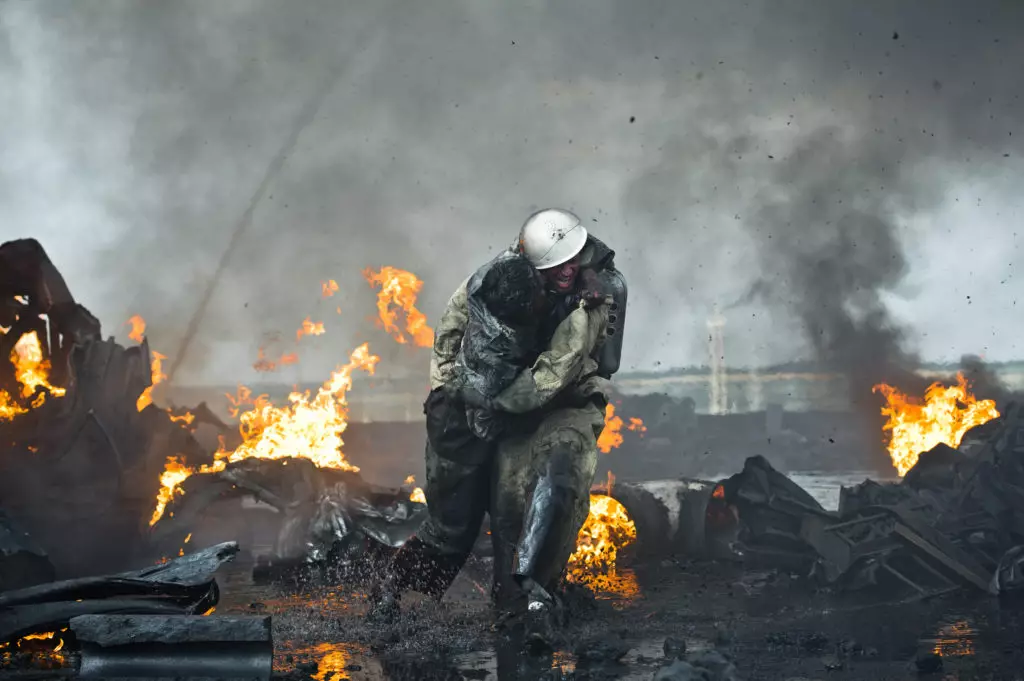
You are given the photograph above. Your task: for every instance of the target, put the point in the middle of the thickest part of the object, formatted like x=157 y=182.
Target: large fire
x=308 y=426
x=398 y=287
x=611 y=436
x=945 y=415
x=31 y=371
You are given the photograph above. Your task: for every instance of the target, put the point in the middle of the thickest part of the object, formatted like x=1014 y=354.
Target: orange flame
x=8 y=407
x=328 y=288
x=137 y=334
x=186 y=419
x=138 y=331
x=242 y=398
x=942 y=418
x=607 y=530
x=308 y=427
x=32 y=372
x=158 y=376
x=400 y=288
x=28 y=640
x=611 y=436
x=267 y=365
x=30 y=369
x=417 y=494
x=309 y=328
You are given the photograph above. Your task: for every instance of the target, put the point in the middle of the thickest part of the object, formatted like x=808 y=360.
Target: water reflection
x=333 y=661
x=955 y=639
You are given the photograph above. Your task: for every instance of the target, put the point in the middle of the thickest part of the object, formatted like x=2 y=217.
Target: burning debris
x=950 y=523
x=308 y=427
x=80 y=409
x=76 y=420
x=331 y=521
x=944 y=417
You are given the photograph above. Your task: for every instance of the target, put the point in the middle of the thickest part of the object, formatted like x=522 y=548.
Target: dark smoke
x=909 y=94
x=827 y=234
x=721 y=148
x=985 y=384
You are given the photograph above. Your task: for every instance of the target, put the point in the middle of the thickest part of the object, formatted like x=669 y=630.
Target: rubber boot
x=549 y=519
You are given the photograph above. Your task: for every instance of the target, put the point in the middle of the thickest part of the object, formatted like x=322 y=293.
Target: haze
x=841 y=179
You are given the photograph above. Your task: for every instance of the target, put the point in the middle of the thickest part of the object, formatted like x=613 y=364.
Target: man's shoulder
x=597 y=254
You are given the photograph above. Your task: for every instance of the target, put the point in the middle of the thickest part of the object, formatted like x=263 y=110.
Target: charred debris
x=955 y=521
x=81 y=460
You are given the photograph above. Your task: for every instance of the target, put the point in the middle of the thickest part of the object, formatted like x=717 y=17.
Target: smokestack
x=718 y=388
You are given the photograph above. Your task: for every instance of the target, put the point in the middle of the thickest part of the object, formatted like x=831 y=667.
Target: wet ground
x=774 y=627
x=771 y=625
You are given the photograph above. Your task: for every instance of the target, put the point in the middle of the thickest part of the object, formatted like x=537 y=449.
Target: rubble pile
x=331 y=523
x=956 y=520
x=80 y=460
x=182 y=586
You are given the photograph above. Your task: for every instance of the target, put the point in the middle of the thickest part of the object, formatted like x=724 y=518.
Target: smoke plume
x=783 y=160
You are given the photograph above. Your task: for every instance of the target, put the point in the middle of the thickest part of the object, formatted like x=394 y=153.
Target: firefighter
x=562 y=397
x=541 y=496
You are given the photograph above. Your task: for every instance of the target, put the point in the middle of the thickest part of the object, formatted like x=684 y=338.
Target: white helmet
x=551 y=237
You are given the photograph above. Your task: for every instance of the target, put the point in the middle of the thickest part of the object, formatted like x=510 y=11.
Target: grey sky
x=132 y=135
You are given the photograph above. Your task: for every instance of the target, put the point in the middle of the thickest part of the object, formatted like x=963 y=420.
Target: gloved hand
x=592 y=291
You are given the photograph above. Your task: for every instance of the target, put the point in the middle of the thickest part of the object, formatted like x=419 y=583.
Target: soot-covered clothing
x=494 y=349
x=564 y=373
x=467 y=477
x=450 y=328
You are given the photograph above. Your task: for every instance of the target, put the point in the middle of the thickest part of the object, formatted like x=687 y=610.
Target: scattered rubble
x=81 y=459
x=162 y=646
x=181 y=586
x=22 y=562
x=332 y=521
x=947 y=525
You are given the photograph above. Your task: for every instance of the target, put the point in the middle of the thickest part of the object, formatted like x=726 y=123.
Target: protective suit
x=460 y=466
x=542 y=477
x=560 y=400
x=461 y=482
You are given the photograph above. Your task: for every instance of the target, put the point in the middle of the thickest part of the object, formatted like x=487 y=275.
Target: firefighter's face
x=562 y=278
